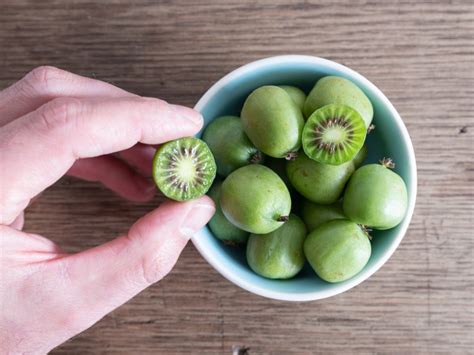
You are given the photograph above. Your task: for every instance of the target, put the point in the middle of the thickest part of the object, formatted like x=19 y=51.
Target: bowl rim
x=412 y=191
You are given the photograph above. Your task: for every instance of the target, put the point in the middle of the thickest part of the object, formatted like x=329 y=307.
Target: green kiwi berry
x=229 y=145
x=255 y=199
x=314 y=214
x=360 y=156
x=337 y=250
x=278 y=254
x=297 y=95
x=376 y=196
x=273 y=122
x=338 y=90
x=219 y=225
x=319 y=183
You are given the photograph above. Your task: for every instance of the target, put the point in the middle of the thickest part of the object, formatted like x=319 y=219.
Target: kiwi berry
x=297 y=95
x=333 y=134
x=273 y=122
x=314 y=214
x=337 y=250
x=376 y=196
x=319 y=183
x=337 y=90
x=360 y=156
x=278 y=254
x=255 y=199
x=229 y=144
x=220 y=226
x=184 y=169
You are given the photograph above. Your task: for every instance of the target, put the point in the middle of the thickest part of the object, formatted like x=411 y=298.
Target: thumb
x=102 y=278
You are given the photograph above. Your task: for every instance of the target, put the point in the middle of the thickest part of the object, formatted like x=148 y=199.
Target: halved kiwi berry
x=184 y=169
x=333 y=134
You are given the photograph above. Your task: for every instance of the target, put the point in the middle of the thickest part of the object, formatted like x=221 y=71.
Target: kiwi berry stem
x=283 y=218
x=230 y=243
x=291 y=156
x=256 y=158
x=366 y=231
x=388 y=163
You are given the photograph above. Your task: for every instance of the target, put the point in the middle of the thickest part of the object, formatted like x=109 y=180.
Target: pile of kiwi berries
x=292 y=185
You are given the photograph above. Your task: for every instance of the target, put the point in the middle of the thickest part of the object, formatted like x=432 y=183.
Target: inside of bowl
x=385 y=141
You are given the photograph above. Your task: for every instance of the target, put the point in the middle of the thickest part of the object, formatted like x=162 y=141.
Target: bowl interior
x=389 y=139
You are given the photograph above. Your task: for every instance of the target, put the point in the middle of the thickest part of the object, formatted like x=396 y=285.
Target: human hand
x=54 y=123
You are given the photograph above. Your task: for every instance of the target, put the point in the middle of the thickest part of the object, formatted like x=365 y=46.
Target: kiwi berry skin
x=360 y=156
x=333 y=134
x=278 y=254
x=297 y=95
x=319 y=183
x=376 y=197
x=314 y=215
x=337 y=250
x=279 y=167
x=219 y=225
x=228 y=142
x=255 y=199
x=272 y=121
x=182 y=149
x=338 y=90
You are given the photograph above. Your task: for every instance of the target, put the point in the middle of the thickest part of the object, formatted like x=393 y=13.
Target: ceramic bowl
x=389 y=139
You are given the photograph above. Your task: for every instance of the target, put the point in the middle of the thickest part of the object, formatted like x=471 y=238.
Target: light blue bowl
x=390 y=139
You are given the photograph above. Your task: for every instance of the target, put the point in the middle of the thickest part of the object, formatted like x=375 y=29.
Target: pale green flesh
x=185 y=169
x=334 y=135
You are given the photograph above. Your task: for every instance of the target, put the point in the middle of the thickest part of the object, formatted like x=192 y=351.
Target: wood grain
x=420 y=53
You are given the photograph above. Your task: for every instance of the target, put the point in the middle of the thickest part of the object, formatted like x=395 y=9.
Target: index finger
x=46 y=83
x=37 y=149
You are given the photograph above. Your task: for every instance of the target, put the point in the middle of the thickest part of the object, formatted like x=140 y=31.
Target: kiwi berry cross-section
x=333 y=134
x=184 y=169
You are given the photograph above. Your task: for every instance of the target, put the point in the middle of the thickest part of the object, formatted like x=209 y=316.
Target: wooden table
x=420 y=53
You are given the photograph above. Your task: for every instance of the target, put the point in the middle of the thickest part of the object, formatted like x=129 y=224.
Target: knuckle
x=156 y=260
x=60 y=112
x=156 y=266
x=41 y=78
x=149 y=272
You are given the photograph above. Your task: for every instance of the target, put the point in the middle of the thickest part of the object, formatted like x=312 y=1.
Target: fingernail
x=188 y=113
x=196 y=219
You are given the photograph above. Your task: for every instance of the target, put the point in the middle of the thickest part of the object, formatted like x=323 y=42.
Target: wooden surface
x=420 y=53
